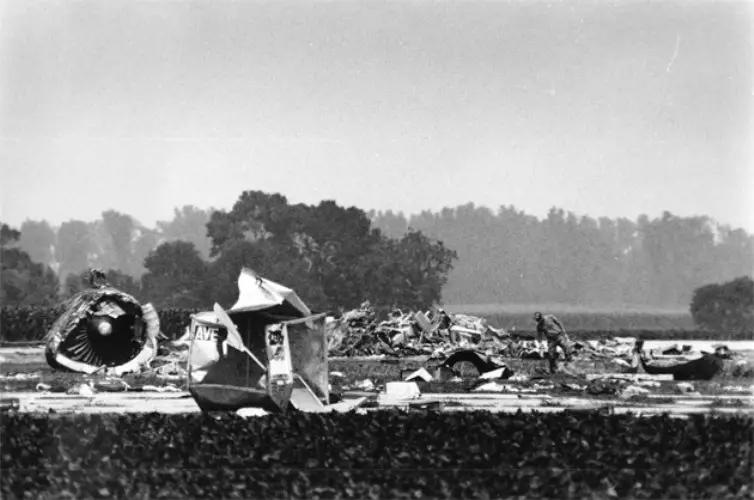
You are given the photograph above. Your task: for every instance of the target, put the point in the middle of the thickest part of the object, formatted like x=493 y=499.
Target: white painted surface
x=701 y=345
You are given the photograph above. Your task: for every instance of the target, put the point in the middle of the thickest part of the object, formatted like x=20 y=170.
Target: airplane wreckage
x=268 y=351
x=102 y=328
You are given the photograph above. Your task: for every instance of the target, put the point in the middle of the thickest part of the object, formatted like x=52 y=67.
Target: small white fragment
x=494 y=387
x=365 y=385
x=402 y=390
x=421 y=373
x=251 y=412
x=494 y=374
x=684 y=387
x=633 y=390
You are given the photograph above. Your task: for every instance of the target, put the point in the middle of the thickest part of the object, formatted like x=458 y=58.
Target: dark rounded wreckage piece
x=101 y=327
x=482 y=362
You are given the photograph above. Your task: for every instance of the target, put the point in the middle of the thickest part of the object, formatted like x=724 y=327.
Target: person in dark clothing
x=445 y=323
x=553 y=330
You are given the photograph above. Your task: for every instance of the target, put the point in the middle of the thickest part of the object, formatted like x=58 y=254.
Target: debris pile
x=360 y=333
x=440 y=334
x=171 y=361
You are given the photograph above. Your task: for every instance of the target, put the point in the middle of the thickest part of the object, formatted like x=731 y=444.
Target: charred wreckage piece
x=270 y=352
x=103 y=328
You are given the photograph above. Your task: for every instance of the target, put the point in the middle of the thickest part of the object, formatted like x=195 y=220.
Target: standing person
x=445 y=323
x=555 y=333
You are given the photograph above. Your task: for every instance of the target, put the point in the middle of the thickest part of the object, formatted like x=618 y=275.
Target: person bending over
x=553 y=330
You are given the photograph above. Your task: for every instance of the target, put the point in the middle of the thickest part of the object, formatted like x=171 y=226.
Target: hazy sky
x=606 y=109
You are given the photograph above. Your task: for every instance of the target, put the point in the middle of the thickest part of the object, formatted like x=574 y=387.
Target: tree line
x=508 y=256
x=338 y=256
x=331 y=256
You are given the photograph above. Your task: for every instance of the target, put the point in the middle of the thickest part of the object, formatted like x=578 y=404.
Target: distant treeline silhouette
x=331 y=255
x=506 y=257
x=511 y=257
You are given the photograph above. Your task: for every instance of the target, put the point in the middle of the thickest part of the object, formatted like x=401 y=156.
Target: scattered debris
x=404 y=394
x=87 y=390
x=421 y=374
x=8 y=404
x=722 y=351
x=604 y=386
x=251 y=412
x=103 y=328
x=495 y=387
x=574 y=387
x=402 y=390
x=483 y=363
x=682 y=364
x=684 y=387
x=112 y=385
x=501 y=373
x=359 y=332
x=629 y=376
x=164 y=388
x=738 y=388
x=451 y=338
x=365 y=385
x=633 y=390
x=543 y=387
x=21 y=376
x=500 y=387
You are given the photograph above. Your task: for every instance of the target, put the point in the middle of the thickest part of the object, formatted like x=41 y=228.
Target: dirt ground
x=499 y=403
x=21 y=370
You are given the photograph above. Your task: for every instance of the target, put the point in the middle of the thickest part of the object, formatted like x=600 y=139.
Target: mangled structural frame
x=267 y=351
x=126 y=343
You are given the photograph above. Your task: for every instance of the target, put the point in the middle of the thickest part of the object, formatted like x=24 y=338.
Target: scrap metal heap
x=360 y=333
x=103 y=328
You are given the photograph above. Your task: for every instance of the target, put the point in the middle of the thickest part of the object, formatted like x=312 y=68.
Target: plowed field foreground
x=379 y=455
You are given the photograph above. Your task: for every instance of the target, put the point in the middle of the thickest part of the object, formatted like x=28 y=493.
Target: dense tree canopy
x=38 y=240
x=175 y=275
x=8 y=236
x=73 y=247
x=330 y=254
x=23 y=281
x=76 y=282
x=336 y=257
x=189 y=224
x=512 y=257
x=728 y=307
x=268 y=260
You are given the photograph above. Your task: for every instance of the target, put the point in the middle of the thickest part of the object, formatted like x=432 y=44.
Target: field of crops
x=382 y=455
x=579 y=318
